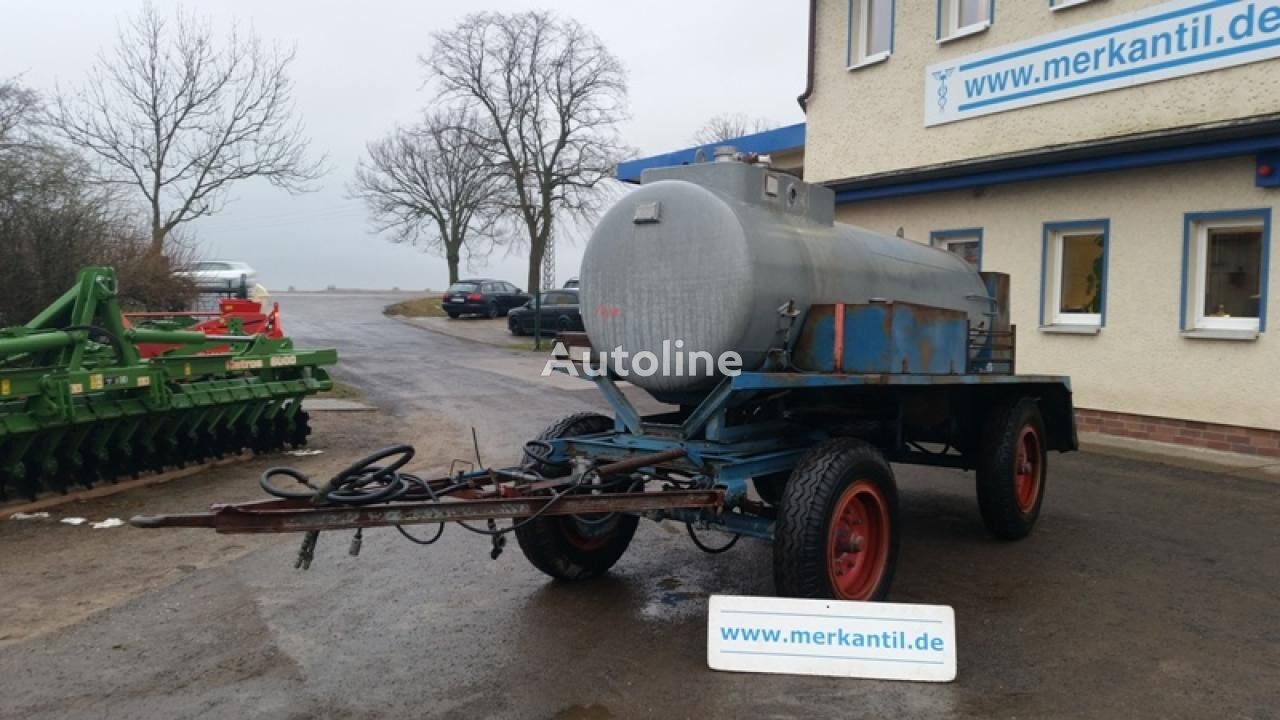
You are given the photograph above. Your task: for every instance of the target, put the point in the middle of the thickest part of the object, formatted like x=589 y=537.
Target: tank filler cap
x=726 y=153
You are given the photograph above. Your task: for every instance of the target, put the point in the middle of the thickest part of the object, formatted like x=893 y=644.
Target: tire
x=560 y=545
x=1012 y=469
x=564 y=324
x=453 y=316
x=491 y=311
x=513 y=325
x=840 y=491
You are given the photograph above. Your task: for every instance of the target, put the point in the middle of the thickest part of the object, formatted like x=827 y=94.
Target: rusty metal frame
x=289 y=516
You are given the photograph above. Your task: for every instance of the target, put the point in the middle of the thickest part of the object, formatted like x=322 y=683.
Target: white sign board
x=884 y=641
x=1164 y=41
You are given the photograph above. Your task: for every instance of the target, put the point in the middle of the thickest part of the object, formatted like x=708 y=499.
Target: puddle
x=674 y=598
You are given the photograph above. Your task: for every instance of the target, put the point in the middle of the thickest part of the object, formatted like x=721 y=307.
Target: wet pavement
x=1146 y=591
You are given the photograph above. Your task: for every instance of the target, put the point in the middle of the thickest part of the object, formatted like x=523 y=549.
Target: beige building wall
x=871 y=120
x=1139 y=363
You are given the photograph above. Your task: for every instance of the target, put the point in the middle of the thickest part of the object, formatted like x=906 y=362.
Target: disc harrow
x=89 y=395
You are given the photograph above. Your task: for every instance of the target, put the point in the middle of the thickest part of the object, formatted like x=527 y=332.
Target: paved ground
x=493 y=332
x=1147 y=591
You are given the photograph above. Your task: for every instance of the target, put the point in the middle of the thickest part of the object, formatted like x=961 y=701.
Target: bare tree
x=19 y=107
x=729 y=126
x=551 y=96
x=180 y=116
x=53 y=221
x=430 y=184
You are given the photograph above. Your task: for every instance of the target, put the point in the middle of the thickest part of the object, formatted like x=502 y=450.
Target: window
x=965 y=243
x=1075 y=274
x=870 y=32
x=958 y=18
x=1225 y=271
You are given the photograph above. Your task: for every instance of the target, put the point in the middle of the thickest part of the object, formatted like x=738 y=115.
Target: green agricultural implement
x=88 y=396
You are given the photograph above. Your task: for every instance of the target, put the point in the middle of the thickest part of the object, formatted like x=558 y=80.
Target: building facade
x=1120 y=159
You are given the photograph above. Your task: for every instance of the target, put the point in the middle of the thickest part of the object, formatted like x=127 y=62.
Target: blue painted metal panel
x=885 y=338
x=789 y=381
x=902 y=338
x=790 y=137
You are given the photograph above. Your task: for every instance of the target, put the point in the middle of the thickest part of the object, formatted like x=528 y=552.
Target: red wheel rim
x=1026 y=469
x=858 y=542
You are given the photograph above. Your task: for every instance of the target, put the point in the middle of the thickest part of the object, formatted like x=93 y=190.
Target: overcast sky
x=357 y=76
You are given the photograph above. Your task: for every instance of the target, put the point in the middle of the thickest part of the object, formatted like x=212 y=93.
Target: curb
x=1254 y=467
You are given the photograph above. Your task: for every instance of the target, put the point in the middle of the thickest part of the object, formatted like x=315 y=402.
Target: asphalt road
x=1146 y=591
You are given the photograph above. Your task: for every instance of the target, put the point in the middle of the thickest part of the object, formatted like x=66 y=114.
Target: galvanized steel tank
x=708 y=253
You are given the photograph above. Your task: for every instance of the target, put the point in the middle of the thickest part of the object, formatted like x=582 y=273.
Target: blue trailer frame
x=949 y=366
x=795 y=452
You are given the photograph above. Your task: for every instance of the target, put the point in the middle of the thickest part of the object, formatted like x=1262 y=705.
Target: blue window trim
x=1192 y=219
x=893 y=31
x=975 y=232
x=1054 y=227
x=991 y=17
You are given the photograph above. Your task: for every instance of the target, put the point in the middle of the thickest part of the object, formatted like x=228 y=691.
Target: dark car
x=482 y=296
x=571 y=283
x=559 y=314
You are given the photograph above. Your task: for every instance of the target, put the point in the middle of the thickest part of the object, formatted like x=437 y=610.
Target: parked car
x=482 y=296
x=571 y=283
x=559 y=314
x=216 y=275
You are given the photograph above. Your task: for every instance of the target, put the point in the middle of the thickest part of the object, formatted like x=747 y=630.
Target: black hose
x=364 y=483
x=693 y=535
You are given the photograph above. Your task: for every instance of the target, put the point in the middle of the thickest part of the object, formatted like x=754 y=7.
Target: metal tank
x=712 y=254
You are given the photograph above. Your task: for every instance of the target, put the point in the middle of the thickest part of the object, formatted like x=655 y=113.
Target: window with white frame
x=1225 y=274
x=965 y=243
x=1075 y=274
x=957 y=18
x=870 y=31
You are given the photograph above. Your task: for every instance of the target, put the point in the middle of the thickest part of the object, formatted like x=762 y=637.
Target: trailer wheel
x=837 y=532
x=568 y=547
x=1012 y=469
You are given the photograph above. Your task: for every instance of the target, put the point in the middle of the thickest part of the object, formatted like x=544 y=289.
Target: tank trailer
x=858 y=351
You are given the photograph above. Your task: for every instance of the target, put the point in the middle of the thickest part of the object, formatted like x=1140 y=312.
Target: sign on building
x=1168 y=40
